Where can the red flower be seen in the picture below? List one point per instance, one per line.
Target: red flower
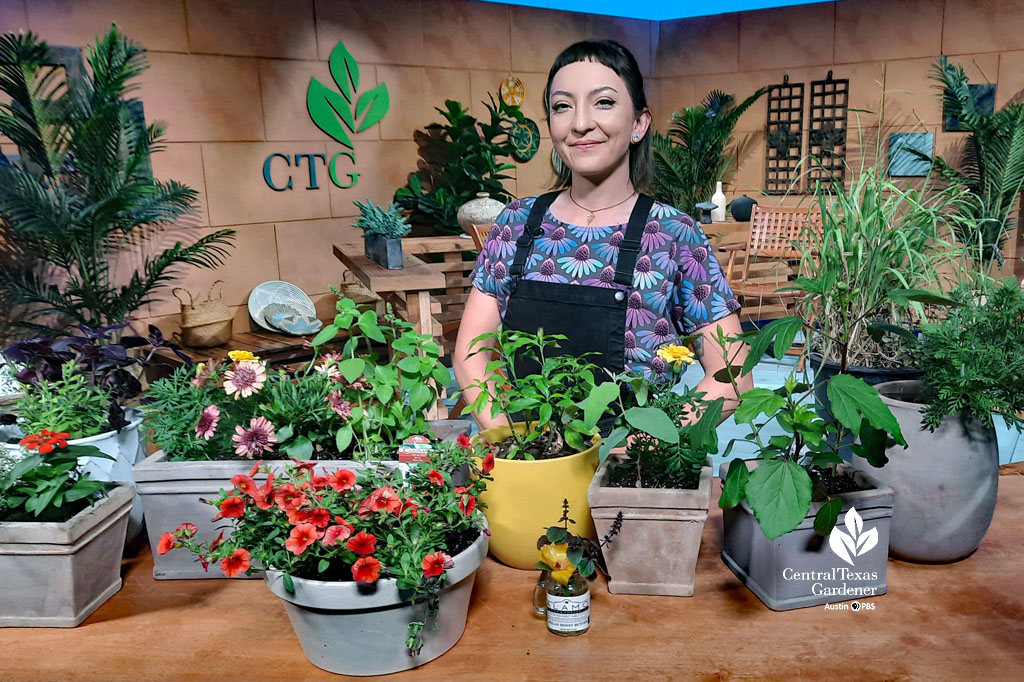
(318, 482)
(385, 499)
(487, 466)
(186, 530)
(255, 468)
(342, 480)
(45, 441)
(244, 483)
(167, 543)
(467, 503)
(435, 477)
(362, 543)
(336, 534)
(237, 563)
(434, 564)
(232, 507)
(288, 497)
(319, 517)
(297, 516)
(366, 569)
(464, 441)
(301, 537)
(216, 541)
(301, 466)
(411, 506)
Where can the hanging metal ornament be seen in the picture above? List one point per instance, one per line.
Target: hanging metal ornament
(525, 139)
(512, 91)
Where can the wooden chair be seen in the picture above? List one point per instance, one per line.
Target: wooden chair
(770, 253)
(479, 235)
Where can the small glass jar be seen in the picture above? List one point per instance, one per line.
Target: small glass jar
(566, 607)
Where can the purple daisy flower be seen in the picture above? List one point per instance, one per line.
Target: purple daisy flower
(683, 227)
(666, 260)
(580, 263)
(658, 336)
(657, 369)
(634, 352)
(589, 233)
(692, 261)
(636, 314)
(555, 242)
(694, 298)
(717, 277)
(652, 237)
(644, 277)
(499, 275)
(517, 211)
(547, 273)
(656, 299)
(606, 280)
(609, 250)
(721, 306)
(505, 245)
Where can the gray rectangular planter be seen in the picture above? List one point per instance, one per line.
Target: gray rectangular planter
(57, 574)
(800, 569)
(656, 549)
(383, 251)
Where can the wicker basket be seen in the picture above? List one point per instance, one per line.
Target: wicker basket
(205, 323)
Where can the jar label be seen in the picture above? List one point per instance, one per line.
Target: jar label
(568, 614)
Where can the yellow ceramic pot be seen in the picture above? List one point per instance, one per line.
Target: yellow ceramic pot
(526, 496)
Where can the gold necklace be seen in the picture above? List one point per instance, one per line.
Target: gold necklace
(591, 214)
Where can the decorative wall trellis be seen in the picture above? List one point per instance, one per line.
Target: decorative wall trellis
(784, 141)
(826, 139)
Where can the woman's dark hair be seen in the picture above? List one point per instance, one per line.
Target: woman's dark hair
(621, 61)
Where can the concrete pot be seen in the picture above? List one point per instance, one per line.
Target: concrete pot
(345, 628)
(800, 568)
(127, 448)
(526, 496)
(656, 549)
(57, 574)
(171, 493)
(384, 251)
(945, 480)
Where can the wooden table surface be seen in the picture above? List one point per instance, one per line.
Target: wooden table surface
(958, 622)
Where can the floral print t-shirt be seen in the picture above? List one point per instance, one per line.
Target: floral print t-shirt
(678, 284)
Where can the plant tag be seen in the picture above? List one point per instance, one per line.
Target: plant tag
(415, 449)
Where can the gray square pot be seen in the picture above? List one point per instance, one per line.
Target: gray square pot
(800, 569)
(656, 549)
(57, 574)
(383, 251)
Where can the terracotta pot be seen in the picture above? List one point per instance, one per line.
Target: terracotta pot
(945, 480)
(800, 568)
(656, 549)
(57, 574)
(347, 629)
(526, 496)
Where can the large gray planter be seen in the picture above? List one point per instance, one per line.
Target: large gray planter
(800, 568)
(656, 549)
(56, 574)
(172, 493)
(347, 629)
(945, 480)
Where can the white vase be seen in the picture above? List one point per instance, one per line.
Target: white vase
(480, 211)
(718, 199)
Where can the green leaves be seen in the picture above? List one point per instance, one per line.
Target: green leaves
(734, 489)
(781, 331)
(330, 112)
(757, 401)
(596, 404)
(853, 398)
(333, 112)
(654, 422)
(903, 297)
(779, 493)
(375, 102)
(344, 70)
(324, 335)
(828, 514)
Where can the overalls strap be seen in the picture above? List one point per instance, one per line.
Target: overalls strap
(630, 245)
(532, 230)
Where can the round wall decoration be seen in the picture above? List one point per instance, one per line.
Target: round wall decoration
(525, 138)
(512, 91)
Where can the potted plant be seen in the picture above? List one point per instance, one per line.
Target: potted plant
(82, 384)
(661, 489)
(383, 229)
(375, 567)
(780, 507)
(83, 189)
(211, 421)
(549, 451)
(61, 533)
(947, 478)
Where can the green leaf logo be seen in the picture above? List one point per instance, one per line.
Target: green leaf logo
(332, 111)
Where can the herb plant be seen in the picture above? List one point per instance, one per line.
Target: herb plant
(565, 555)
(377, 220)
(69, 404)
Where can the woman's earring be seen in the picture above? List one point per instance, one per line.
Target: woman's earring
(636, 137)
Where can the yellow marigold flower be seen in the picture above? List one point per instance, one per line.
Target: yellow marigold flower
(676, 355)
(556, 556)
(240, 355)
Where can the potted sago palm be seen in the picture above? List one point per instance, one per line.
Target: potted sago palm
(383, 229)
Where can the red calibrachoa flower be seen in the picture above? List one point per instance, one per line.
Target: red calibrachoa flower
(464, 441)
(232, 508)
(319, 517)
(318, 482)
(301, 537)
(216, 541)
(297, 516)
(186, 530)
(411, 506)
(342, 480)
(366, 569)
(244, 483)
(362, 543)
(167, 542)
(288, 497)
(385, 499)
(335, 534)
(235, 564)
(434, 564)
(467, 503)
(487, 466)
(435, 477)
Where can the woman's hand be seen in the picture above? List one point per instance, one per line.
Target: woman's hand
(712, 361)
(481, 316)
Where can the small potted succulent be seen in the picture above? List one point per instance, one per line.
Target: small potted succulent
(375, 566)
(783, 535)
(212, 420)
(61, 533)
(947, 478)
(662, 487)
(383, 229)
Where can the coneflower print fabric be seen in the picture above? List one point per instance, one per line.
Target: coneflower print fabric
(678, 284)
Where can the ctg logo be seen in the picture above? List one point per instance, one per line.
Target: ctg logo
(855, 543)
(335, 113)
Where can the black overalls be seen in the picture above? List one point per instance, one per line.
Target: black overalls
(593, 319)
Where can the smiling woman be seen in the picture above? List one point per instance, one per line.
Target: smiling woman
(597, 260)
